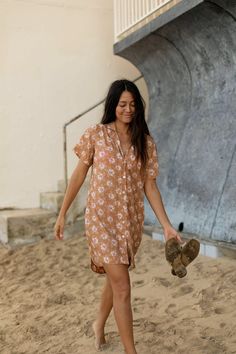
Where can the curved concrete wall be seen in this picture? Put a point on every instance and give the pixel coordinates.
(189, 66)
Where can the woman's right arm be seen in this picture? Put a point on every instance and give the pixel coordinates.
(76, 181)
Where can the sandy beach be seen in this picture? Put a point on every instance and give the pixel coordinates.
(49, 297)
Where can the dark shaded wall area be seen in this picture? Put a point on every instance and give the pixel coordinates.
(189, 66)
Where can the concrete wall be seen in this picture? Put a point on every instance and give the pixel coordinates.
(56, 60)
(190, 69)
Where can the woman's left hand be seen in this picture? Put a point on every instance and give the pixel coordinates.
(170, 232)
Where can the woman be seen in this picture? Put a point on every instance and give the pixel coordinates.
(125, 167)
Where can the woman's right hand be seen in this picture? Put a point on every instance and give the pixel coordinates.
(59, 228)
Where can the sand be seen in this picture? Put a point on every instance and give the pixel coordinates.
(49, 297)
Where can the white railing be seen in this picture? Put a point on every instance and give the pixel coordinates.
(128, 13)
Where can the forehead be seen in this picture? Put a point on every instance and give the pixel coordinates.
(126, 96)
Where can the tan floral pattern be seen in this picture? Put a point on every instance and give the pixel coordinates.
(115, 204)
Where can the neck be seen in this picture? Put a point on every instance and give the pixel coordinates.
(121, 127)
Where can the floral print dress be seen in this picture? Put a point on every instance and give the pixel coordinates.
(114, 213)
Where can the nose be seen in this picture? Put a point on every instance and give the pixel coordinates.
(128, 108)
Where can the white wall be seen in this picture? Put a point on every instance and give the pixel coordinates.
(56, 60)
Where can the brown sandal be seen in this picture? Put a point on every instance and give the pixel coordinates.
(189, 252)
(173, 252)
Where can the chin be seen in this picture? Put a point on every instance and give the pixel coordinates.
(127, 119)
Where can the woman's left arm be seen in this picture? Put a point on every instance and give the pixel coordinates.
(154, 197)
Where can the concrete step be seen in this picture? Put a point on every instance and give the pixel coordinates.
(51, 201)
(26, 225)
(22, 226)
(80, 200)
(61, 186)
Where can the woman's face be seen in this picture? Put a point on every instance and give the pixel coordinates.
(125, 108)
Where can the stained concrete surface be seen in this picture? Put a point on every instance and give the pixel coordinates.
(189, 66)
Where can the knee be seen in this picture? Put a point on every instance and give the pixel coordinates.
(121, 291)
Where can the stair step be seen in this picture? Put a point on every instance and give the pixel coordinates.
(81, 198)
(61, 186)
(51, 201)
(25, 225)
(22, 226)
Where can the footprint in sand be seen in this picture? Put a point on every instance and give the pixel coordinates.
(138, 321)
(233, 279)
(59, 299)
(138, 303)
(154, 257)
(67, 257)
(138, 283)
(208, 293)
(171, 310)
(184, 290)
(187, 322)
(2, 336)
(139, 300)
(161, 281)
(213, 343)
(145, 325)
(140, 271)
(222, 325)
(88, 329)
(220, 310)
(149, 326)
(207, 297)
(199, 267)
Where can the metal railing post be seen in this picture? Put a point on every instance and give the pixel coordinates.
(65, 155)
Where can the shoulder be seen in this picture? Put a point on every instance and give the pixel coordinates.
(150, 141)
(93, 130)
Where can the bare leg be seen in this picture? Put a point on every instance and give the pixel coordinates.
(103, 313)
(120, 282)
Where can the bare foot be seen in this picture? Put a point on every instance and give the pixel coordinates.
(99, 336)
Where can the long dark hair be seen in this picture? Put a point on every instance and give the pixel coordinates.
(138, 127)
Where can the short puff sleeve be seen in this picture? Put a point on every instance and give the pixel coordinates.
(152, 169)
(85, 148)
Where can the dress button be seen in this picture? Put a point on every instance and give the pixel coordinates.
(124, 176)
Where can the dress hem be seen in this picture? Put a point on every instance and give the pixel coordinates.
(100, 269)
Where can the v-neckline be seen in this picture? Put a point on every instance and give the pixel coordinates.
(124, 155)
